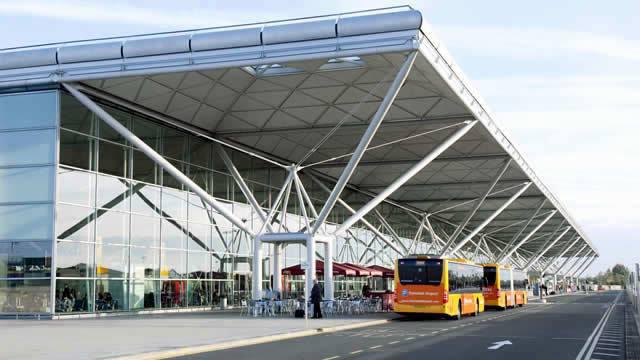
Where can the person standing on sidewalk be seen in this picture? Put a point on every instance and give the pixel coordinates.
(316, 298)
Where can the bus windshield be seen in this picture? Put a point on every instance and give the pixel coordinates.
(490, 275)
(420, 272)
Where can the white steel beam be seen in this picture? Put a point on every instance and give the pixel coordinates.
(584, 262)
(557, 271)
(479, 203)
(406, 176)
(517, 235)
(243, 185)
(527, 237)
(486, 222)
(586, 267)
(564, 251)
(577, 257)
(157, 158)
(547, 248)
(376, 120)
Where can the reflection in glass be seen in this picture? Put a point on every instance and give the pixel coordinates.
(199, 237)
(145, 231)
(25, 296)
(174, 142)
(75, 222)
(113, 193)
(74, 295)
(76, 187)
(26, 222)
(172, 293)
(74, 259)
(144, 169)
(173, 234)
(27, 147)
(174, 203)
(76, 116)
(112, 227)
(145, 199)
(25, 259)
(198, 211)
(111, 295)
(144, 263)
(107, 132)
(144, 294)
(76, 150)
(26, 184)
(28, 110)
(174, 264)
(148, 131)
(113, 159)
(199, 265)
(112, 261)
(199, 293)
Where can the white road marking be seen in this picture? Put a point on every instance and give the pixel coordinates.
(394, 342)
(375, 347)
(410, 338)
(331, 358)
(356, 352)
(497, 345)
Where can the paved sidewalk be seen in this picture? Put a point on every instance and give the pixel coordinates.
(101, 338)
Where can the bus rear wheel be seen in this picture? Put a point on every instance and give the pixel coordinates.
(458, 316)
(475, 313)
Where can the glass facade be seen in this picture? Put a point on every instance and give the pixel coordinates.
(28, 123)
(120, 233)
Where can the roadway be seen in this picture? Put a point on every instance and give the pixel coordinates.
(559, 329)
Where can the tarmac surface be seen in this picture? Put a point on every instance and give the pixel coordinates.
(575, 326)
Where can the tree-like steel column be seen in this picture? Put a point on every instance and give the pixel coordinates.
(380, 114)
(546, 248)
(526, 225)
(564, 251)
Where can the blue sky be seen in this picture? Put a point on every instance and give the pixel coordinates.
(563, 79)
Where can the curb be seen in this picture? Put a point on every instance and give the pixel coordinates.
(191, 350)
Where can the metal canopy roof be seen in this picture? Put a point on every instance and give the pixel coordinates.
(280, 88)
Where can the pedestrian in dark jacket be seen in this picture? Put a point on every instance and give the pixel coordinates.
(316, 298)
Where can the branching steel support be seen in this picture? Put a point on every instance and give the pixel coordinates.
(376, 120)
(564, 251)
(527, 237)
(547, 248)
(517, 235)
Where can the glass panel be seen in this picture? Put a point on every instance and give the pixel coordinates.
(74, 259)
(113, 193)
(113, 228)
(107, 132)
(200, 152)
(76, 116)
(26, 184)
(75, 222)
(199, 265)
(174, 203)
(144, 295)
(144, 263)
(174, 264)
(199, 293)
(26, 222)
(148, 131)
(197, 210)
(199, 237)
(145, 231)
(172, 293)
(144, 169)
(111, 295)
(145, 199)
(27, 147)
(24, 259)
(173, 234)
(168, 180)
(174, 143)
(74, 296)
(28, 110)
(25, 296)
(112, 261)
(76, 150)
(113, 159)
(201, 176)
(75, 186)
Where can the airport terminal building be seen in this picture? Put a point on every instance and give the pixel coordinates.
(172, 171)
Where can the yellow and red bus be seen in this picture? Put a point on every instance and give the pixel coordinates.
(504, 287)
(432, 285)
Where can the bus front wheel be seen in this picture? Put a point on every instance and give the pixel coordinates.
(475, 313)
(458, 316)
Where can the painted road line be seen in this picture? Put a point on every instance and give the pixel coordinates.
(592, 340)
(332, 358)
(375, 347)
(356, 352)
(393, 342)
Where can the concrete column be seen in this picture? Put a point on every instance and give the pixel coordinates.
(311, 265)
(256, 279)
(277, 267)
(328, 270)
